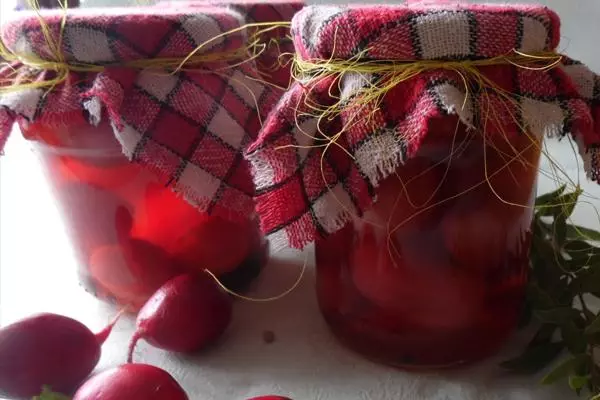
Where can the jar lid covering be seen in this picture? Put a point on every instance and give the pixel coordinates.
(456, 61)
(425, 32)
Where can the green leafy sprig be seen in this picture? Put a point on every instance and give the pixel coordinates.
(48, 394)
(564, 276)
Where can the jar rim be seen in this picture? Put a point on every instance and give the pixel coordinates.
(75, 152)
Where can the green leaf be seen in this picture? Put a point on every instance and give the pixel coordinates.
(563, 294)
(560, 230)
(590, 316)
(569, 202)
(591, 386)
(594, 339)
(534, 359)
(546, 250)
(578, 382)
(581, 264)
(585, 367)
(596, 397)
(573, 337)
(550, 197)
(578, 247)
(47, 394)
(579, 232)
(565, 264)
(543, 335)
(594, 327)
(582, 255)
(587, 281)
(557, 316)
(564, 369)
(547, 263)
(540, 229)
(582, 260)
(563, 205)
(538, 297)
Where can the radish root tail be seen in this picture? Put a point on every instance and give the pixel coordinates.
(136, 337)
(104, 333)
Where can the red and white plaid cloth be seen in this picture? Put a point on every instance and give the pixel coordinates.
(254, 11)
(190, 128)
(296, 205)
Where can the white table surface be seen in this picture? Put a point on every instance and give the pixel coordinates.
(305, 362)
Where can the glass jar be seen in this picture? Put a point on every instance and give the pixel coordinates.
(131, 234)
(434, 274)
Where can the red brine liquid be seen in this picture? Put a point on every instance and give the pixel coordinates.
(130, 233)
(434, 275)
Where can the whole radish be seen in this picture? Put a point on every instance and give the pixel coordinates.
(131, 382)
(186, 314)
(47, 350)
(131, 271)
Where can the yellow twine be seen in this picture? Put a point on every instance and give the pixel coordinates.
(262, 300)
(391, 73)
(33, 66)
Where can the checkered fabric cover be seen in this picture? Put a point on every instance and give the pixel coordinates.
(254, 11)
(190, 128)
(302, 195)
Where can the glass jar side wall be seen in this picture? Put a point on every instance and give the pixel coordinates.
(129, 233)
(434, 274)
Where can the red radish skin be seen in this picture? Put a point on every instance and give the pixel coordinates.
(47, 350)
(131, 382)
(217, 244)
(132, 271)
(185, 315)
(477, 238)
(400, 284)
(196, 240)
